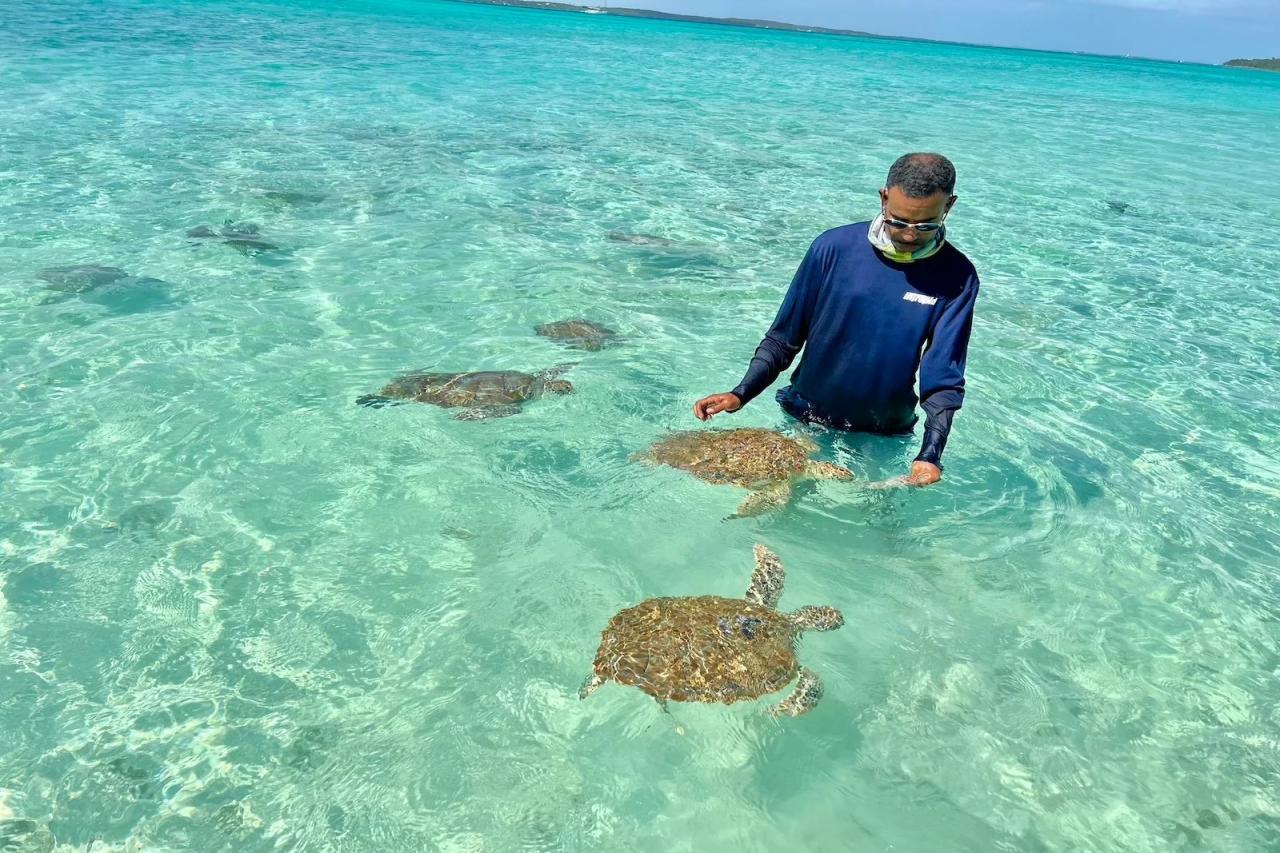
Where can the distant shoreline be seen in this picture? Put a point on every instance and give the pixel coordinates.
(626, 12)
(1263, 64)
(753, 23)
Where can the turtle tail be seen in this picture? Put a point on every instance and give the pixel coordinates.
(767, 579)
(590, 686)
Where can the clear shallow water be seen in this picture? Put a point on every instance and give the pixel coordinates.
(239, 612)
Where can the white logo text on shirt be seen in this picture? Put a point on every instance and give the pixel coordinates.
(921, 298)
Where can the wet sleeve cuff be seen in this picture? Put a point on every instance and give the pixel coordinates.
(932, 446)
(937, 426)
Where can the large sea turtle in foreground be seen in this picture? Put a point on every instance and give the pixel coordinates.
(480, 395)
(713, 649)
(578, 334)
(762, 460)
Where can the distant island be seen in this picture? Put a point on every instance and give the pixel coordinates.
(1264, 64)
(623, 12)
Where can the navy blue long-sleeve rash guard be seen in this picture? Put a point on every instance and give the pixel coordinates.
(868, 325)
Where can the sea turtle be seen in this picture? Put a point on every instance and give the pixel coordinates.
(112, 288)
(80, 278)
(485, 394)
(578, 334)
(293, 197)
(639, 239)
(758, 459)
(713, 649)
(242, 236)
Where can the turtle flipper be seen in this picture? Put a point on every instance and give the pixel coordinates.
(811, 618)
(482, 413)
(767, 579)
(590, 686)
(807, 693)
(762, 500)
(376, 401)
(827, 471)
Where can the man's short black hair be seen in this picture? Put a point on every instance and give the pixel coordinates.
(922, 174)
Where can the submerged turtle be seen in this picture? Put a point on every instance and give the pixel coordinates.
(578, 334)
(713, 649)
(293, 197)
(758, 459)
(486, 394)
(112, 288)
(639, 239)
(80, 278)
(242, 236)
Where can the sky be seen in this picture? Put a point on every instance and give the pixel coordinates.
(1189, 30)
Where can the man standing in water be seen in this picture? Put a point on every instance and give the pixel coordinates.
(872, 304)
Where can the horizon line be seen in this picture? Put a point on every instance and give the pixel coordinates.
(578, 6)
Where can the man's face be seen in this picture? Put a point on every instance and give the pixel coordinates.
(898, 205)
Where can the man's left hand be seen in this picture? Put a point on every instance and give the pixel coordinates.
(923, 474)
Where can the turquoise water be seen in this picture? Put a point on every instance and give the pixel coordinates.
(239, 612)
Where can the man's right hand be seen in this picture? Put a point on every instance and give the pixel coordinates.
(708, 407)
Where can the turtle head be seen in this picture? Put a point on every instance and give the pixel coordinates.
(558, 386)
(812, 618)
(551, 381)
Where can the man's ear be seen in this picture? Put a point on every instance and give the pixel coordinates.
(884, 196)
(950, 202)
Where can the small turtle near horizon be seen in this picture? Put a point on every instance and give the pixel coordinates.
(578, 334)
(762, 460)
(714, 649)
(480, 395)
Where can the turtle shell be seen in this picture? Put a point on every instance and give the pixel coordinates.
(79, 279)
(744, 457)
(577, 333)
(704, 649)
(450, 390)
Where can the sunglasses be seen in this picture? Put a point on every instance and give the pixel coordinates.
(920, 227)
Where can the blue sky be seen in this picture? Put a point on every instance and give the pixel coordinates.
(1191, 30)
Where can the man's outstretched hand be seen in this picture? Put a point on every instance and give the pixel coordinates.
(708, 407)
(923, 474)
